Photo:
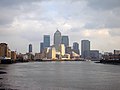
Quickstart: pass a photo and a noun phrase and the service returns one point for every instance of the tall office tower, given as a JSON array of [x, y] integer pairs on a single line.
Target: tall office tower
[[85, 49], [57, 40], [65, 41], [30, 48], [76, 47], [41, 47], [46, 41]]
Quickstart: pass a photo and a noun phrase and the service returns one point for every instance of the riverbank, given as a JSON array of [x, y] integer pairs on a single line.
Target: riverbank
[[110, 61], [10, 61]]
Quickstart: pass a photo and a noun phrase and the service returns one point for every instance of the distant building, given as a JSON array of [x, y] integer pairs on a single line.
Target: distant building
[[41, 47], [30, 56], [68, 50], [65, 40], [13, 55], [46, 41], [9, 54], [45, 53], [38, 56], [25, 57], [100, 56], [52, 53], [85, 49], [94, 54], [62, 49], [66, 57], [75, 55], [76, 47], [4, 51], [112, 56], [108, 53], [30, 48], [57, 40], [116, 52]]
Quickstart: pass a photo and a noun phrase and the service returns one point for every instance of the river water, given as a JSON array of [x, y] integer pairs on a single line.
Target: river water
[[60, 76]]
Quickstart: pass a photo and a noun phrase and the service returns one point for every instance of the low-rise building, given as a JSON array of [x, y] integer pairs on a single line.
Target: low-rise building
[[38, 56], [66, 57], [13, 55], [74, 55], [94, 54], [112, 56], [5, 52]]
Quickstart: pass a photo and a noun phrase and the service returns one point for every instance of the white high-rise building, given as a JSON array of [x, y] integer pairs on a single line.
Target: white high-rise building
[[52, 53], [57, 40], [62, 49]]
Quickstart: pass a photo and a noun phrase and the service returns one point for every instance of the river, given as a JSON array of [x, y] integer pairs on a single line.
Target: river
[[78, 75]]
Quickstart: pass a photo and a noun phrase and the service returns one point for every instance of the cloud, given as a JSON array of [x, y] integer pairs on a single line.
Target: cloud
[[104, 5], [102, 33], [115, 32], [29, 20], [8, 3]]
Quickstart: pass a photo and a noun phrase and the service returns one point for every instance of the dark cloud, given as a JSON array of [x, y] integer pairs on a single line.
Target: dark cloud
[[7, 16], [112, 25], [4, 21], [103, 23], [104, 4], [9, 3]]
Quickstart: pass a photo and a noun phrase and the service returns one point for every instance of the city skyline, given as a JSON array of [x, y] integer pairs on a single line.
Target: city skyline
[[28, 21]]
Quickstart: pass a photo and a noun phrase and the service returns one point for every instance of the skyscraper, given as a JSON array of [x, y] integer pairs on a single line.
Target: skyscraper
[[57, 40], [65, 41], [30, 48], [85, 49], [46, 41], [76, 47], [41, 47]]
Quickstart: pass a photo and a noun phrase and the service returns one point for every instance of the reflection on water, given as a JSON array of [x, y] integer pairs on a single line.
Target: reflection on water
[[60, 76]]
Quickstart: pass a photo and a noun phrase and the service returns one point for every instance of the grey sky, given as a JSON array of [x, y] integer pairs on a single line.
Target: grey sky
[[26, 21]]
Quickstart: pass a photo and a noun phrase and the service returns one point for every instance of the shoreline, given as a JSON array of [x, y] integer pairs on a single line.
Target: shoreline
[[10, 61], [114, 62]]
